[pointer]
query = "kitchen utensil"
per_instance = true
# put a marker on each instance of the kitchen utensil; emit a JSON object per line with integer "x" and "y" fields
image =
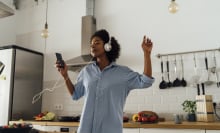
{"x": 203, "y": 88}
{"x": 169, "y": 84}
{"x": 208, "y": 82}
{"x": 195, "y": 78}
{"x": 183, "y": 81}
{"x": 163, "y": 83}
{"x": 198, "y": 90}
{"x": 176, "y": 82}
{"x": 213, "y": 70}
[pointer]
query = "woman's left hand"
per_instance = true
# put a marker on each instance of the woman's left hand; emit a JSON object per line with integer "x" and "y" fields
{"x": 147, "y": 45}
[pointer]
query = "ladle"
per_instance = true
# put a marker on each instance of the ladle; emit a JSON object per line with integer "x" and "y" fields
{"x": 176, "y": 82}
{"x": 169, "y": 84}
{"x": 213, "y": 70}
{"x": 163, "y": 83}
{"x": 208, "y": 82}
{"x": 183, "y": 81}
{"x": 195, "y": 78}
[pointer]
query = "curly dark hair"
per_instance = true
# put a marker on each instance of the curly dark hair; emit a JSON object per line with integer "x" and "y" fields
{"x": 114, "y": 53}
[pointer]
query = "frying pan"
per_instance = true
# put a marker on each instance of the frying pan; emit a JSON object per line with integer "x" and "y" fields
{"x": 2, "y": 66}
{"x": 176, "y": 82}
{"x": 163, "y": 83}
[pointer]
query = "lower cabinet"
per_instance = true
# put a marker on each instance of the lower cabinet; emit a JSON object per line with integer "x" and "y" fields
{"x": 154, "y": 130}
{"x": 55, "y": 129}
{"x": 212, "y": 131}
{"x": 131, "y": 130}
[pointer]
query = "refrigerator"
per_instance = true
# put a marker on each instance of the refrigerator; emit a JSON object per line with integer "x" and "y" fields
{"x": 21, "y": 77}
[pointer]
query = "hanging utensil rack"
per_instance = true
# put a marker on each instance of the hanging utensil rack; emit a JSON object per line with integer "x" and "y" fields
{"x": 188, "y": 52}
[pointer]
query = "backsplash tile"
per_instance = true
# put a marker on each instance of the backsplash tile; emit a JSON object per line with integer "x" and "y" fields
{"x": 165, "y": 102}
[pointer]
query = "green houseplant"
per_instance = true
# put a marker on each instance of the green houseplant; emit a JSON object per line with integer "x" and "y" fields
{"x": 189, "y": 106}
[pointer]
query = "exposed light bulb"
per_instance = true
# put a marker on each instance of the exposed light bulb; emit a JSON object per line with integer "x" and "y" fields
{"x": 173, "y": 7}
{"x": 45, "y": 32}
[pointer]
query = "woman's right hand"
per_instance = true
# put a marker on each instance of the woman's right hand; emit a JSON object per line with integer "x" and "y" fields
{"x": 62, "y": 70}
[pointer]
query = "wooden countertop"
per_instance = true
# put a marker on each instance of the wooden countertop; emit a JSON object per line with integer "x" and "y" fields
{"x": 166, "y": 124}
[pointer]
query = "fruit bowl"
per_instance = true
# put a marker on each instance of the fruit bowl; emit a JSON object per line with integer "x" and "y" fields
{"x": 146, "y": 117}
{"x": 46, "y": 116}
{"x": 15, "y": 128}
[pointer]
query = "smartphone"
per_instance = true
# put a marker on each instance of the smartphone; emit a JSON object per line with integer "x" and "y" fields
{"x": 60, "y": 59}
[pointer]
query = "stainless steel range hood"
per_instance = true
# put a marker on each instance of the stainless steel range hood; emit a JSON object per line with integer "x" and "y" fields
{"x": 5, "y": 10}
{"x": 88, "y": 28}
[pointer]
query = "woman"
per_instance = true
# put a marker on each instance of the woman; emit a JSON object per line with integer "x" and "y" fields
{"x": 105, "y": 85}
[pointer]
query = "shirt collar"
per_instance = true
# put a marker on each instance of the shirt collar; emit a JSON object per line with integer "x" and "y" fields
{"x": 112, "y": 64}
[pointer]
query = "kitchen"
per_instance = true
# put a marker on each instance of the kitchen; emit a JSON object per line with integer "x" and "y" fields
{"x": 194, "y": 27}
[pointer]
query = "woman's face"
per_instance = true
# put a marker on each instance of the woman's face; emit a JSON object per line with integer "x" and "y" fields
{"x": 97, "y": 47}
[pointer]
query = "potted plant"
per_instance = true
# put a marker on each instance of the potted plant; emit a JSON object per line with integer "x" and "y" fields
{"x": 189, "y": 106}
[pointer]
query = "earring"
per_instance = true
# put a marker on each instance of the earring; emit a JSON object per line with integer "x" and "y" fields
{"x": 108, "y": 47}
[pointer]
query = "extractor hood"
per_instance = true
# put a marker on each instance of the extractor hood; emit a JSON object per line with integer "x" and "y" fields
{"x": 88, "y": 28}
{"x": 5, "y": 10}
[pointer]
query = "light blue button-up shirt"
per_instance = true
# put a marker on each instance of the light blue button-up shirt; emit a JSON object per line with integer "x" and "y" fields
{"x": 105, "y": 95}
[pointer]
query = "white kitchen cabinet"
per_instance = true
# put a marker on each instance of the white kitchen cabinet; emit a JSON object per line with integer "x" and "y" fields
{"x": 131, "y": 130}
{"x": 154, "y": 130}
{"x": 54, "y": 129}
{"x": 212, "y": 131}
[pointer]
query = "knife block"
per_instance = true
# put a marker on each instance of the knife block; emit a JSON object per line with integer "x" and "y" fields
{"x": 204, "y": 108}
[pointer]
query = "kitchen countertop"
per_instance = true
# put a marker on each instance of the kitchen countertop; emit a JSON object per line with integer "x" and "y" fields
{"x": 166, "y": 124}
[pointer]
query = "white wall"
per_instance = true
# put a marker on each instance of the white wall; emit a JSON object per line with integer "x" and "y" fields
{"x": 7, "y": 27}
{"x": 194, "y": 27}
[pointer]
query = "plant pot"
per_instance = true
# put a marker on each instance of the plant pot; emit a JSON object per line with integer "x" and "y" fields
{"x": 191, "y": 117}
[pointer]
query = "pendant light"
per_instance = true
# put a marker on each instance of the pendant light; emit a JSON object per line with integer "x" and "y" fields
{"x": 173, "y": 7}
{"x": 44, "y": 32}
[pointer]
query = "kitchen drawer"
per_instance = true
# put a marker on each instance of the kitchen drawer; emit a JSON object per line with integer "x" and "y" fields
{"x": 55, "y": 129}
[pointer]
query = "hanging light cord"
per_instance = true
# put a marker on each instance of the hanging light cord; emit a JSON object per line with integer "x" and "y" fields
{"x": 46, "y": 25}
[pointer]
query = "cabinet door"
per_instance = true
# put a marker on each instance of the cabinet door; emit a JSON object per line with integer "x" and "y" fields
{"x": 130, "y": 130}
{"x": 154, "y": 130}
{"x": 212, "y": 131}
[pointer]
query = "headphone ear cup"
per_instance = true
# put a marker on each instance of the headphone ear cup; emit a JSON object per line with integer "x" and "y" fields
{"x": 108, "y": 47}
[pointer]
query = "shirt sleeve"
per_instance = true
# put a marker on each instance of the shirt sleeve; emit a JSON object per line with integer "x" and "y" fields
{"x": 138, "y": 81}
{"x": 79, "y": 87}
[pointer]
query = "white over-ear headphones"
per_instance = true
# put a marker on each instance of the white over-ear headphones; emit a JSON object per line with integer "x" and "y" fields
{"x": 108, "y": 47}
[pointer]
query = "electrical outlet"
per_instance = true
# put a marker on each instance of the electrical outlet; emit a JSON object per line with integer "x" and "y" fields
{"x": 58, "y": 106}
